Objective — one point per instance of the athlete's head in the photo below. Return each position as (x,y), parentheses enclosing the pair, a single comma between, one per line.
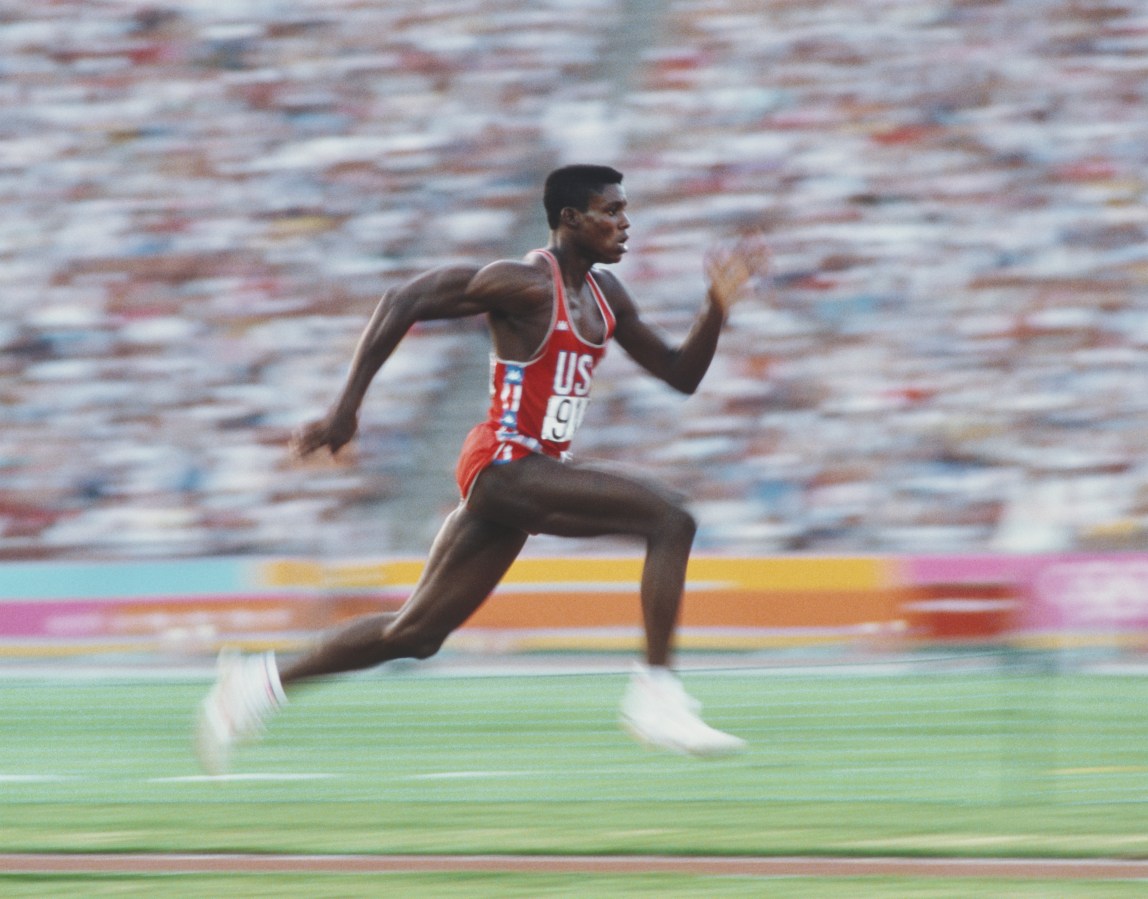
(573,186)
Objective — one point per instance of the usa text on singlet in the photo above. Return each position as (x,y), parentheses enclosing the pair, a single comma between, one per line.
(539,404)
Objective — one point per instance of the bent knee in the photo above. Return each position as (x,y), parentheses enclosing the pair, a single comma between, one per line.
(414,642)
(677,521)
(427,648)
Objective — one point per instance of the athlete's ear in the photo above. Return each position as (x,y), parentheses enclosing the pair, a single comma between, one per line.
(571,217)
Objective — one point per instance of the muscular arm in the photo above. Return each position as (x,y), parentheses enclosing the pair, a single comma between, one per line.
(684,366)
(448,292)
(438,294)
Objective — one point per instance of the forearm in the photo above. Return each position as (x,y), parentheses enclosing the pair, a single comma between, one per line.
(437,294)
(389,323)
(693,356)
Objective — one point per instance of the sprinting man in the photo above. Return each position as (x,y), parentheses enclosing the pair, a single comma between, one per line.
(551,317)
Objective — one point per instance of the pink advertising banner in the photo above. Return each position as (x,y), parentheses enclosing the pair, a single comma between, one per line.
(194,605)
(1066,593)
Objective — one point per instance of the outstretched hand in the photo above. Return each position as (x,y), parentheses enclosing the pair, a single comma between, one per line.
(332,432)
(730,267)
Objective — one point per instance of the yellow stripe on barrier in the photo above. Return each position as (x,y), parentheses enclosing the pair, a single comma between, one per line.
(780,574)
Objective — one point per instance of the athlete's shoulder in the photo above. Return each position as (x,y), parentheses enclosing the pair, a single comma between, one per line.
(512,284)
(514,271)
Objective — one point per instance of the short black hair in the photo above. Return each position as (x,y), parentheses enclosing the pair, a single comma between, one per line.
(574,185)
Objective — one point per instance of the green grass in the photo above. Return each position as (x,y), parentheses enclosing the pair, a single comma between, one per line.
(499,886)
(981,763)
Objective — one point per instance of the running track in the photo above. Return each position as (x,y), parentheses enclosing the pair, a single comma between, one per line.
(780,866)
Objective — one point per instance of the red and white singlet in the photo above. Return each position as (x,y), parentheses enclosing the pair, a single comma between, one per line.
(537,405)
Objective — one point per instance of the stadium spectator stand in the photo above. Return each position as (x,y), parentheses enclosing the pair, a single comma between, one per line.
(204,201)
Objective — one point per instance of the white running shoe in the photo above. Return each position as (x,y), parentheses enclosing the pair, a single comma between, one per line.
(657,711)
(247,692)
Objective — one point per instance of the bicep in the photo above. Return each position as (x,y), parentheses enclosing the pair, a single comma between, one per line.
(506,287)
(440,293)
(458,291)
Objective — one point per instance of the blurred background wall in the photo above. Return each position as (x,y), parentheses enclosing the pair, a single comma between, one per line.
(202,203)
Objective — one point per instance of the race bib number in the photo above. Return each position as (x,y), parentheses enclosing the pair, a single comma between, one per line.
(563,415)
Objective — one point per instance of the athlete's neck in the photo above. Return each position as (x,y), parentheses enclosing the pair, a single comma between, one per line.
(573,265)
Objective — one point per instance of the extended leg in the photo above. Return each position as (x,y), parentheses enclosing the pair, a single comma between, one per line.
(468,559)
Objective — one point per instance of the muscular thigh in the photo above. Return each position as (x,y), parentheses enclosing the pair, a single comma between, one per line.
(543,496)
(468,559)
(636,475)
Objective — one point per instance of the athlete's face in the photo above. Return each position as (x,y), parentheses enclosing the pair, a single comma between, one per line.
(605,226)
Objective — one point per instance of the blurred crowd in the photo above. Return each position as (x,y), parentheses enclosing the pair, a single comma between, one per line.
(204,201)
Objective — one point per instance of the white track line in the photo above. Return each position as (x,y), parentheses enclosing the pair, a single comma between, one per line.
(35,778)
(238,778)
